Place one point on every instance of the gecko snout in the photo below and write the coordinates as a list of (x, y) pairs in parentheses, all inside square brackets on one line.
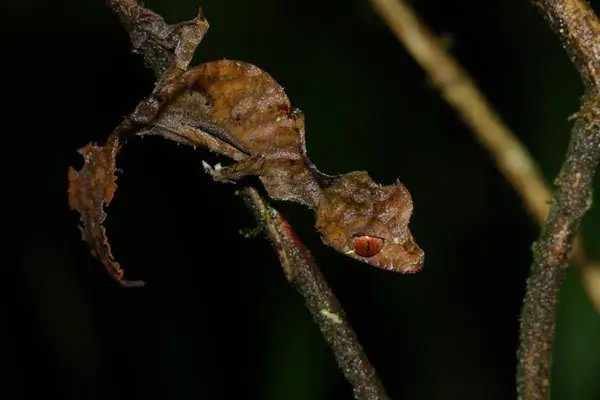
[(411, 257)]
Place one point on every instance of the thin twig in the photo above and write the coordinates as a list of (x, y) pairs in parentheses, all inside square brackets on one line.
[(171, 53), (460, 91)]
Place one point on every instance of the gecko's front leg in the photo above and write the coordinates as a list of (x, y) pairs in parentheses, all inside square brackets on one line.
[(250, 166)]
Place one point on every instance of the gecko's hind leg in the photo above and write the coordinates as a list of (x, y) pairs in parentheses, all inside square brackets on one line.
[(232, 173)]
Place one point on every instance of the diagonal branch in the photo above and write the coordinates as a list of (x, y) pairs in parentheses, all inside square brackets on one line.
[(302, 272), (458, 88), (579, 30), (168, 51)]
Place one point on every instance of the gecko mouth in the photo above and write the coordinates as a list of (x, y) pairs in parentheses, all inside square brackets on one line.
[(413, 269), (405, 259)]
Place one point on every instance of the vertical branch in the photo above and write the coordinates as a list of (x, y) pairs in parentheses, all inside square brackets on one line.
[(571, 200), (578, 29)]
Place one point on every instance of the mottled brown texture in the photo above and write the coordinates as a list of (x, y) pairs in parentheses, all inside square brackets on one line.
[(245, 107), (355, 205), (90, 189), (97, 175), (167, 49)]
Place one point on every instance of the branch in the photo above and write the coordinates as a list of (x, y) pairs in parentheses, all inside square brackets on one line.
[(571, 200), (302, 272), (458, 88), (579, 30), (165, 48), (168, 51)]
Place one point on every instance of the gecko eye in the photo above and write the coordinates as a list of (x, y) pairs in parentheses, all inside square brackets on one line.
[(367, 246)]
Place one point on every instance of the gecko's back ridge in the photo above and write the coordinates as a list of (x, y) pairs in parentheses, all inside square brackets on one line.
[(245, 107)]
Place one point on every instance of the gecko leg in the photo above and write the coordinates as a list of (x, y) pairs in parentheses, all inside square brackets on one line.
[(250, 166)]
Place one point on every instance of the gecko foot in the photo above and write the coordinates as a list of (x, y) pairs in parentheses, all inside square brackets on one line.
[(215, 172), (211, 170), (233, 173)]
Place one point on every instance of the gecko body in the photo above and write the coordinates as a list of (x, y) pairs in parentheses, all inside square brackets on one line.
[(241, 112)]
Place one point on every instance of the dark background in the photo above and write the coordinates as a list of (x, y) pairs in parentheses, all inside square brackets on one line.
[(217, 318)]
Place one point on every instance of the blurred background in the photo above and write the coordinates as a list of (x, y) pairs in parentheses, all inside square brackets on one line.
[(217, 318)]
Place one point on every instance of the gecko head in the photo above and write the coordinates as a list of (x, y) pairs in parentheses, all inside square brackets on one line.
[(369, 222)]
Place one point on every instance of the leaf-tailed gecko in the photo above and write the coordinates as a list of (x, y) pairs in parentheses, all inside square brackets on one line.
[(238, 110)]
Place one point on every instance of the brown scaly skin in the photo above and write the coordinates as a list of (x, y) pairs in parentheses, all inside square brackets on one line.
[(246, 116)]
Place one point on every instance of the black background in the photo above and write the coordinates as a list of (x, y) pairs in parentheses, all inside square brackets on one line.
[(217, 318)]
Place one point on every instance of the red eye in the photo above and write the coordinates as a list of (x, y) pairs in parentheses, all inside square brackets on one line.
[(367, 246)]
